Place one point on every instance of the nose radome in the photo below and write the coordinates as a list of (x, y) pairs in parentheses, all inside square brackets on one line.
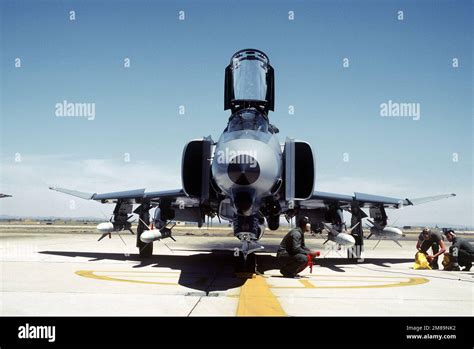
[(243, 170)]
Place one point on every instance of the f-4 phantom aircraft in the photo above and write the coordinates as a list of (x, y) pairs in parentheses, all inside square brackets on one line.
[(248, 178)]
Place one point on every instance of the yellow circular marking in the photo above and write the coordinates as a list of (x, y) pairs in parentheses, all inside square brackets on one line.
[(306, 283), (91, 274)]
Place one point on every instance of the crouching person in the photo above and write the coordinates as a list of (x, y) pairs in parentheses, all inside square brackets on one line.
[(293, 252), (430, 239), (461, 253)]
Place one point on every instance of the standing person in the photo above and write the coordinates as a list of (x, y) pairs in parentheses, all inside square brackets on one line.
[(293, 251), (429, 239)]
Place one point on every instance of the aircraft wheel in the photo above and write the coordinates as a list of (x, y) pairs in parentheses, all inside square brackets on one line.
[(145, 250), (246, 267), (273, 222)]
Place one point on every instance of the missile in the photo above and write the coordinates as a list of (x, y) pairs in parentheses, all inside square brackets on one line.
[(387, 232), (105, 228), (149, 236), (344, 239)]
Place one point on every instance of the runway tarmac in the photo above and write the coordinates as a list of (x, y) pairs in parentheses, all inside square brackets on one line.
[(73, 274)]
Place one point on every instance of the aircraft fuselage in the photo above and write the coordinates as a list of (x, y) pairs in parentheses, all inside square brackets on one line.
[(247, 165)]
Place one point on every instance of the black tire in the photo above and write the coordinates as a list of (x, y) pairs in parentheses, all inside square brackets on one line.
[(356, 251), (145, 250), (248, 265), (273, 222)]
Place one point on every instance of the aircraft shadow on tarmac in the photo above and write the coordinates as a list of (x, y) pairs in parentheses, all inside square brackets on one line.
[(214, 270)]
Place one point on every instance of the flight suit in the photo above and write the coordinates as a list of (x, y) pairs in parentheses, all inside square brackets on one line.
[(293, 253), (462, 252), (433, 243)]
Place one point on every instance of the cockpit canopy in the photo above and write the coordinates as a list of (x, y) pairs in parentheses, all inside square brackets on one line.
[(248, 119), (249, 81)]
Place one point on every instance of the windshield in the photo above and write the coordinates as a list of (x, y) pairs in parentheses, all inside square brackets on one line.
[(249, 76), (248, 120)]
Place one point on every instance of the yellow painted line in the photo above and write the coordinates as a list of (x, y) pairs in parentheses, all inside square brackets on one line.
[(307, 284), (138, 272), (145, 276), (410, 282), (91, 274), (256, 299), (356, 276), (342, 280)]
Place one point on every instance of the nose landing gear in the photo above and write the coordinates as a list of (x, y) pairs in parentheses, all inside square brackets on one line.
[(246, 260), (248, 230)]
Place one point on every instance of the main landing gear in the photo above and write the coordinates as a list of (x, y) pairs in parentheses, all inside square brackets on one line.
[(144, 249)]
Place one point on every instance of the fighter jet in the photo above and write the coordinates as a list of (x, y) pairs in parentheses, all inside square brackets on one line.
[(247, 178), (5, 196)]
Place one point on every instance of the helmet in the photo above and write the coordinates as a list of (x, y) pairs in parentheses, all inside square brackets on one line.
[(303, 220), (448, 231)]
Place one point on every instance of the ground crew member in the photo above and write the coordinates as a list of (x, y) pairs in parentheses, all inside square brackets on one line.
[(428, 239), (293, 251), (461, 252)]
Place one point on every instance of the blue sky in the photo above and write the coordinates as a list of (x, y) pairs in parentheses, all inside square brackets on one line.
[(177, 63)]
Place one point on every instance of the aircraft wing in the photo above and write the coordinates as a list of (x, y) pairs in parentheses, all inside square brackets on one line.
[(320, 199), (135, 196)]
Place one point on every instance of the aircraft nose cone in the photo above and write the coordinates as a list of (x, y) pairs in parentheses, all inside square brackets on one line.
[(243, 170)]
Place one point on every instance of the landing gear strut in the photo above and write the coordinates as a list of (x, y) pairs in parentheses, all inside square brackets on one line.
[(246, 267), (248, 229), (357, 232), (144, 249)]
